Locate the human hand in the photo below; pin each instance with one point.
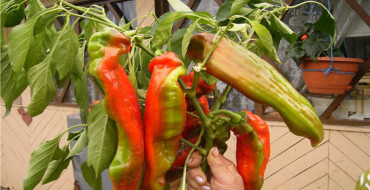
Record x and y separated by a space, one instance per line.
224 173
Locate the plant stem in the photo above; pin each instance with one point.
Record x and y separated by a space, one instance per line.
234 117
221 99
139 43
183 180
210 136
196 116
201 150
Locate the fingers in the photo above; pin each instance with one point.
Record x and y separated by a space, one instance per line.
194 160
219 165
196 178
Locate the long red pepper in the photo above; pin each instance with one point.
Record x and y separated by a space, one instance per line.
121 105
165 113
262 130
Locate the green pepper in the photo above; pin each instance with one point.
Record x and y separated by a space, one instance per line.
259 81
121 105
164 119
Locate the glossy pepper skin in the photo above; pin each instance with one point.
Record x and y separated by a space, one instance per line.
249 155
165 113
262 130
202 86
121 105
259 81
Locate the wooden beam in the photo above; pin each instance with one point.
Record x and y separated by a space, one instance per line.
161 7
48 3
114 11
335 103
360 11
219 2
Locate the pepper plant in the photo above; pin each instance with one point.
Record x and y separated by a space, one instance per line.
148 76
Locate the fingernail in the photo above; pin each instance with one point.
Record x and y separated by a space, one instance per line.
190 159
215 152
199 179
206 187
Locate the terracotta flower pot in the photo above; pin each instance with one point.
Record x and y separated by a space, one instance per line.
334 82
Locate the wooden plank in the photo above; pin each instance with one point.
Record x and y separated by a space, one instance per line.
349 149
333 185
340 177
16 147
231 148
308 176
284 143
277 132
344 163
142 8
321 183
295 167
361 140
360 11
161 7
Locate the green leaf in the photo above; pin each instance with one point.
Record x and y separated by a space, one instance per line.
42 87
177 5
277 26
46 20
56 167
79 62
19 41
80 144
229 8
326 23
81 94
263 50
37 51
162 31
315 44
237 27
265 40
33 8
14 16
40 159
72 135
90 177
176 42
11 87
143 80
64 55
102 135
187 37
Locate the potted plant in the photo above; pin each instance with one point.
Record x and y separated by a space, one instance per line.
325 69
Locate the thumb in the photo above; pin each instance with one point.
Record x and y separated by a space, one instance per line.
218 164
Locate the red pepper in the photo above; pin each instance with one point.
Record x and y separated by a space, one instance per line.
262 130
165 113
252 150
121 105
304 37
202 88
